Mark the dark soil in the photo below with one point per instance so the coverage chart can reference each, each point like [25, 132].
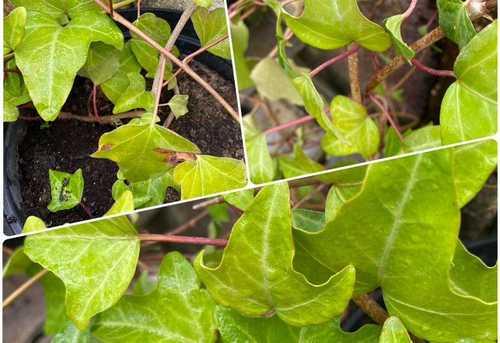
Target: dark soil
[66, 145]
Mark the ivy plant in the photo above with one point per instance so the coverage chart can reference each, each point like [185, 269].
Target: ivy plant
[48, 44]
[356, 127]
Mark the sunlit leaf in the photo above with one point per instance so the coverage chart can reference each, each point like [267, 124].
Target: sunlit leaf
[71, 334]
[134, 96]
[178, 105]
[298, 164]
[103, 61]
[241, 199]
[66, 190]
[123, 204]
[262, 168]
[14, 92]
[204, 3]
[332, 24]
[455, 22]
[58, 36]
[208, 175]
[17, 264]
[469, 108]
[393, 25]
[13, 29]
[177, 311]
[211, 26]
[255, 275]
[394, 332]
[142, 149]
[33, 224]
[95, 261]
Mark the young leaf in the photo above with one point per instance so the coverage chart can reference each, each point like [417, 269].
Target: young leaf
[239, 39]
[59, 34]
[208, 175]
[332, 24]
[13, 29]
[123, 204]
[178, 105]
[211, 26]
[455, 22]
[241, 199]
[14, 93]
[273, 83]
[469, 108]
[394, 332]
[147, 56]
[256, 277]
[177, 311]
[399, 198]
[261, 164]
[66, 190]
[134, 96]
[354, 130]
[103, 61]
[95, 261]
[299, 164]
[34, 224]
[393, 25]
[142, 149]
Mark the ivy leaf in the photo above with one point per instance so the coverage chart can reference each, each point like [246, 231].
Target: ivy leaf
[14, 93]
[239, 40]
[17, 264]
[95, 261]
[103, 61]
[393, 25]
[256, 277]
[211, 26]
[235, 328]
[147, 56]
[148, 193]
[241, 199]
[123, 204]
[204, 3]
[66, 190]
[134, 96]
[304, 219]
[208, 175]
[142, 149]
[71, 334]
[144, 285]
[399, 198]
[13, 29]
[332, 24]
[116, 86]
[394, 332]
[33, 224]
[273, 83]
[469, 108]
[177, 311]
[178, 105]
[299, 164]
[423, 138]
[58, 36]
[354, 130]
[260, 162]
[455, 22]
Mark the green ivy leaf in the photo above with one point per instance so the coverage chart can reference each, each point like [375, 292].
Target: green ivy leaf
[204, 3]
[393, 25]
[304, 219]
[34, 224]
[116, 86]
[17, 264]
[123, 204]
[144, 285]
[299, 164]
[399, 198]
[95, 261]
[147, 56]
[455, 22]
[211, 26]
[394, 332]
[58, 36]
[148, 193]
[103, 61]
[66, 190]
[177, 311]
[71, 334]
[208, 175]
[135, 95]
[255, 275]
[260, 162]
[235, 328]
[178, 105]
[14, 93]
[354, 130]
[273, 83]
[469, 108]
[241, 199]
[332, 24]
[239, 40]
[424, 138]
[13, 29]
[142, 149]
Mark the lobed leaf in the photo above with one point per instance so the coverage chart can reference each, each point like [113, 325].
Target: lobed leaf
[66, 190]
[123, 204]
[13, 29]
[455, 21]
[103, 61]
[14, 93]
[241, 199]
[262, 167]
[178, 105]
[393, 25]
[298, 164]
[394, 332]
[150, 192]
[95, 261]
[255, 275]
[134, 96]
[211, 26]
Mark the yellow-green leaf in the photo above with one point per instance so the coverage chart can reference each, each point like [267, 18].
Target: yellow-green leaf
[66, 190]
[13, 29]
[211, 26]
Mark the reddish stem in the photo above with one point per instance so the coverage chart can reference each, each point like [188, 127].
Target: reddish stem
[434, 72]
[290, 124]
[334, 60]
[182, 239]
[410, 9]
[386, 113]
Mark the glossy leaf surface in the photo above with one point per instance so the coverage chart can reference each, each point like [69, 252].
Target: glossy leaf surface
[66, 190]
[455, 22]
[394, 332]
[15, 93]
[13, 29]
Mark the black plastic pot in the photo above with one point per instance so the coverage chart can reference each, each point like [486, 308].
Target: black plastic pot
[14, 133]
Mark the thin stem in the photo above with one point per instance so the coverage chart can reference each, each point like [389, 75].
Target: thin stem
[94, 101]
[160, 71]
[353, 65]
[371, 308]
[190, 224]
[119, 19]
[182, 239]
[386, 113]
[290, 124]
[124, 3]
[334, 60]
[210, 202]
[431, 71]
[105, 120]
[23, 288]
[410, 9]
